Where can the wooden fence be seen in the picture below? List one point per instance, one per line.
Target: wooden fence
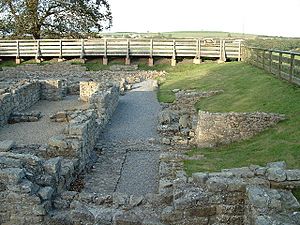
(284, 64)
(122, 47)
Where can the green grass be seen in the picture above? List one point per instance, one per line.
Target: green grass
(247, 89)
(7, 63)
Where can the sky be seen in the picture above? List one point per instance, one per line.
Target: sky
(265, 17)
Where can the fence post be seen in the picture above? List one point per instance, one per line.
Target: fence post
(173, 60)
(150, 60)
(38, 52)
(264, 58)
(60, 58)
(197, 59)
(280, 64)
(127, 60)
(82, 54)
(291, 74)
(270, 61)
(105, 59)
(18, 60)
(240, 50)
(222, 58)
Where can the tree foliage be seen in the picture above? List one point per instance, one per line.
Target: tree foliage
(53, 18)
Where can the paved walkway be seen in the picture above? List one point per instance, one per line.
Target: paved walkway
(129, 162)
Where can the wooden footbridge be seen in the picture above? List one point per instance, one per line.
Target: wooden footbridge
(127, 48)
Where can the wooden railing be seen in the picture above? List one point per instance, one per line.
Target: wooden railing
(121, 47)
(284, 64)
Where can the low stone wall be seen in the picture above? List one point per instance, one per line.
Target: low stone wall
(214, 129)
(105, 102)
(87, 89)
(30, 182)
(251, 195)
(17, 98)
(80, 136)
(52, 90)
(178, 120)
(78, 140)
(28, 185)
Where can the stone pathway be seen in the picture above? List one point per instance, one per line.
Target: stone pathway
(129, 160)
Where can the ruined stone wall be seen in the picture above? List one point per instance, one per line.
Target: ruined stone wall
(28, 185)
(248, 195)
(215, 129)
(18, 97)
(105, 102)
(78, 140)
(30, 182)
(52, 90)
(87, 89)
(80, 136)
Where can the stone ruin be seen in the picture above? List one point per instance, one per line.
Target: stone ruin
(33, 174)
(37, 179)
(248, 195)
(181, 124)
(30, 181)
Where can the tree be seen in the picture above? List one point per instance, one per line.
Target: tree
(52, 18)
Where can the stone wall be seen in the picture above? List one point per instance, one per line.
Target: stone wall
(87, 89)
(18, 97)
(178, 120)
(105, 102)
(29, 182)
(52, 90)
(251, 195)
(28, 185)
(78, 140)
(80, 136)
(214, 129)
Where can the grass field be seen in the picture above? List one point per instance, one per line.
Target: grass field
(247, 89)
(182, 34)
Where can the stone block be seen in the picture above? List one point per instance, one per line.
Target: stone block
(150, 62)
(127, 218)
(293, 175)
(243, 172)
(280, 164)
(173, 62)
(200, 178)
(197, 61)
(105, 61)
(18, 61)
(127, 61)
(53, 166)
(46, 193)
(276, 174)
(58, 141)
(11, 175)
(61, 60)
(6, 145)
(170, 215)
(200, 211)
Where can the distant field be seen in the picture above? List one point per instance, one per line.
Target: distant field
(280, 43)
(184, 34)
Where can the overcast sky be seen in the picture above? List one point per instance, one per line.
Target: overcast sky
(269, 17)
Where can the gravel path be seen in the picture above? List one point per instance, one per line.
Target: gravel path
(136, 115)
(39, 132)
(129, 163)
